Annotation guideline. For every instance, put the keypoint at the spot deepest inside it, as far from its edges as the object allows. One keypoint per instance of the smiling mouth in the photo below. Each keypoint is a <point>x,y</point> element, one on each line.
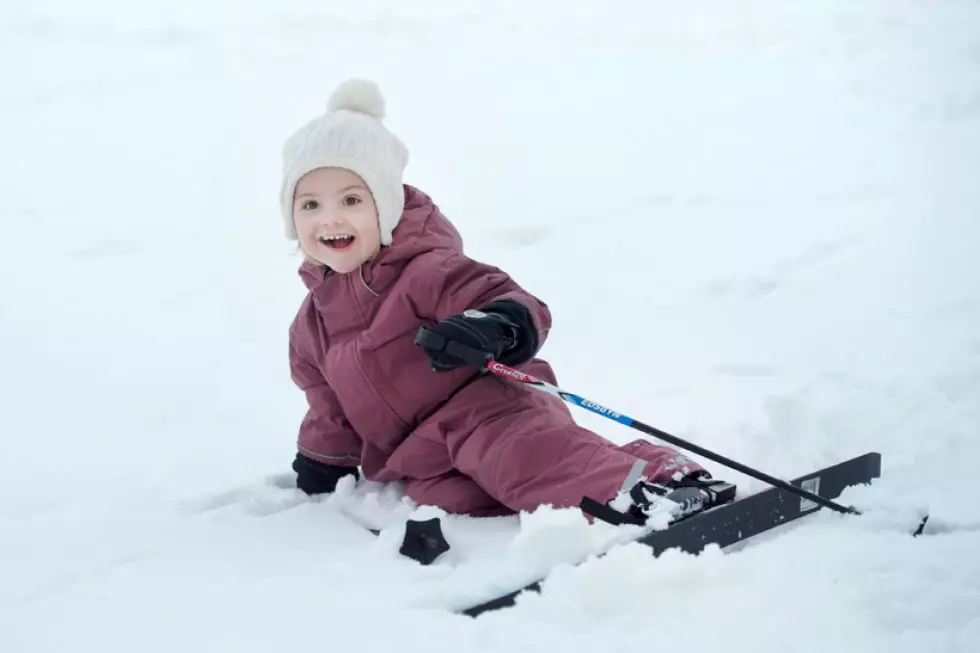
<point>339,242</point>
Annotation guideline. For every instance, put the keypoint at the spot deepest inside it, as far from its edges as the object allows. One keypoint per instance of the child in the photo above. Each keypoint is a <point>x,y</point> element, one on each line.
<point>381,262</point>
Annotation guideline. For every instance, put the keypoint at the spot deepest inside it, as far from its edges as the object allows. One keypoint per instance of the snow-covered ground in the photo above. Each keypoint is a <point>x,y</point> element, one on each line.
<point>756,224</point>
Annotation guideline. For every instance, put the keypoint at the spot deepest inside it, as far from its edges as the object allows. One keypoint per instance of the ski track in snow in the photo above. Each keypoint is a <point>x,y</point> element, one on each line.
<point>755,227</point>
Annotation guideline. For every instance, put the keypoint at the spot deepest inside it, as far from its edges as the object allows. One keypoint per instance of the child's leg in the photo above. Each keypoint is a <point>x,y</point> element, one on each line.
<point>456,494</point>
<point>520,447</point>
<point>666,463</point>
<point>560,465</point>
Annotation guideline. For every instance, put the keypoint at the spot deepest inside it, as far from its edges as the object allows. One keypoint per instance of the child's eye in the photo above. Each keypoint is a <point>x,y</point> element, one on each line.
<point>311,205</point>
<point>352,200</point>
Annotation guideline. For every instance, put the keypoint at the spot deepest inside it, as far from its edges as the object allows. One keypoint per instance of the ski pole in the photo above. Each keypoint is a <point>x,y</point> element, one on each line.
<point>485,361</point>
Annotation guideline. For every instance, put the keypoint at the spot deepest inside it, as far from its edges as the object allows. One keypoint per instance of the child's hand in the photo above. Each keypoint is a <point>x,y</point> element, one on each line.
<point>314,477</point>
<point>487,331</point>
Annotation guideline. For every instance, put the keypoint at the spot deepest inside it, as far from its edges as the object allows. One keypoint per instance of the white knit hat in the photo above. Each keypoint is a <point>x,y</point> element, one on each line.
<point>349,135</point>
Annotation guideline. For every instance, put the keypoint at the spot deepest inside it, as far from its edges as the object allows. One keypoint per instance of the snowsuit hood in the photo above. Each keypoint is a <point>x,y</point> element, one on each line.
<point>422,228</point>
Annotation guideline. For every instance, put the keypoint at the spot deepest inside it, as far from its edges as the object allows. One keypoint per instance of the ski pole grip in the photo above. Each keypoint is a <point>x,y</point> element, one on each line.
<point>469,355</point>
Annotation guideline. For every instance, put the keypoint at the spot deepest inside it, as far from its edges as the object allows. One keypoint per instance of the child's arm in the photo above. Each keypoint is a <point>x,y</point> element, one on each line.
<point>325,436</point>
<point>469,284</point>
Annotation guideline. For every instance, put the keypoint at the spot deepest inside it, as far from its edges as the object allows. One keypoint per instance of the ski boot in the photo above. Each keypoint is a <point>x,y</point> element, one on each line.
<point>678,499</point>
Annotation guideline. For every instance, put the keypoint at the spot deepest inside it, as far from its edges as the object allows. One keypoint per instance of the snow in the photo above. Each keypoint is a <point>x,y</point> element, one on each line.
<point>756,227</point>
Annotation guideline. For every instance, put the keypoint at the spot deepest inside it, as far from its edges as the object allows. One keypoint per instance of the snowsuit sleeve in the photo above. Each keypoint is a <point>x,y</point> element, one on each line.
<point>467,283</point>
<point>324,434</point>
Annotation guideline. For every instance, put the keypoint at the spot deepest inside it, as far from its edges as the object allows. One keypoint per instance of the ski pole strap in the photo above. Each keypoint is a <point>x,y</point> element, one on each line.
<point>469,355</point>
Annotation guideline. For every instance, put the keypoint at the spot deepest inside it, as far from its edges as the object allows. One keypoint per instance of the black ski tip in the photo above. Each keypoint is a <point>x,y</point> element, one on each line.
<point>505,601</point>
<point>920,529</point>
<point>424,541</point>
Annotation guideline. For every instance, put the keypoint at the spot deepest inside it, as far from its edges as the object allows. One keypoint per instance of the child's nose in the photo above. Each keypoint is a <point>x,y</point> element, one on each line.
<point>332,220</point>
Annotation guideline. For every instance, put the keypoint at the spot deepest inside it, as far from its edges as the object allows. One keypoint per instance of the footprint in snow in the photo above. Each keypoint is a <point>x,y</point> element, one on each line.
<point>811,256</point>
<point>965,308</point>
<point>526,236</point>
<point>275,494</point>
<point>105,249</point>
<point>758,288</point>
<point>720,288</point>
<point>744,370</point>
<point>749,290</point>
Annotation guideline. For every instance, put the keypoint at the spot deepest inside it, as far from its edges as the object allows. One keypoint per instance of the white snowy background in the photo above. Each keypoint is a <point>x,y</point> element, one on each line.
<point>757,225</point>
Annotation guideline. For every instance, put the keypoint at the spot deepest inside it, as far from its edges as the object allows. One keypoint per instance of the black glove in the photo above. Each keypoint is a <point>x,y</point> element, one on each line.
<point>503,329</point>
<point>314,477</point>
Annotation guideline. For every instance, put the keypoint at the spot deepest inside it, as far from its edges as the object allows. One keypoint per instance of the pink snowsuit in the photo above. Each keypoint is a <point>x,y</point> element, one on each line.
<point>463,440</point>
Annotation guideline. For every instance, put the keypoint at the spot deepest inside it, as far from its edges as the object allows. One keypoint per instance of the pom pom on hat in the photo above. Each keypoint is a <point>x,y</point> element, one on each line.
<point>360,95</point>
<point>349,135</point>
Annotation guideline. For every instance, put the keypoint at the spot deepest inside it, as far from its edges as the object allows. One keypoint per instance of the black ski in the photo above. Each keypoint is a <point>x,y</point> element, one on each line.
<point>737,521</point>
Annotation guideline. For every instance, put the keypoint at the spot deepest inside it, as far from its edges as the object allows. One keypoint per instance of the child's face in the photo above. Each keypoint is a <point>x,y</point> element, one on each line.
<point>334,202</point>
